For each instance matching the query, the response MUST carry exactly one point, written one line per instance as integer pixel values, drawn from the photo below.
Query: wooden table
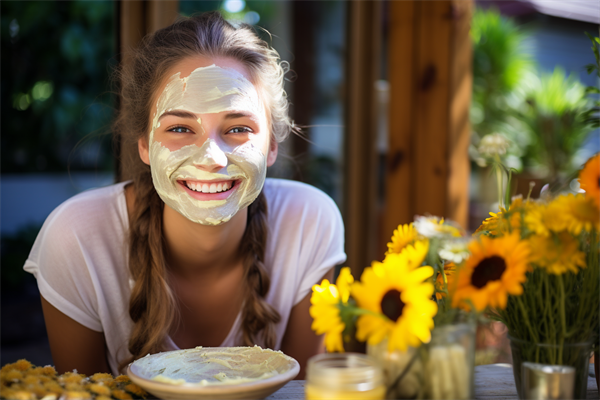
(493, 382)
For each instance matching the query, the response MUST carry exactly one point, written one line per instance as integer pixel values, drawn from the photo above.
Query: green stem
(526, 319)
(563, 318)
(499, 184)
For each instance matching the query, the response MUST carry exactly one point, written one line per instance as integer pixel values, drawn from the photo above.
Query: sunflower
(589, 179)
(490, 224)
(543, 219)
(506, 220)
(495, 269)
(325, 310)
(557, 254)
(397, 300)
(578, 212)
(403, 236)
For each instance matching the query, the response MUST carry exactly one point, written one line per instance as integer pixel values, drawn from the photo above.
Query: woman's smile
(209, 190)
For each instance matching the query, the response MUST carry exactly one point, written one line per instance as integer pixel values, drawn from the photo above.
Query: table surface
(493, 381)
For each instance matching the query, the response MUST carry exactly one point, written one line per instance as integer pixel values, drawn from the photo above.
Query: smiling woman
(199, 248)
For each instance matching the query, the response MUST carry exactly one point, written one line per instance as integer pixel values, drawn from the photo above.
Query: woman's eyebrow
(179, 113)
(238, 114)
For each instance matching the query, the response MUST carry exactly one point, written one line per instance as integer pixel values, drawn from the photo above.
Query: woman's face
(210, 142)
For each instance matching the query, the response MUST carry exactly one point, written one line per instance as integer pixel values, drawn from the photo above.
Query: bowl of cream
(214, 372)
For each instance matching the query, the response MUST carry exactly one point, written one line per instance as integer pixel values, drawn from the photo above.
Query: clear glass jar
(576, 355)
(440, 369)
(343, 376)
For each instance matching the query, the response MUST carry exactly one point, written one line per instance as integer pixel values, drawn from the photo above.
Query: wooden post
(430, 92)
(360, 213)
(136, 19)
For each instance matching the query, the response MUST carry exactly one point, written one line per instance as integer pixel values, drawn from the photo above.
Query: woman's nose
(210, 157)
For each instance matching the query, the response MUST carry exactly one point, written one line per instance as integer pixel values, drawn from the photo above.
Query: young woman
(199, 249)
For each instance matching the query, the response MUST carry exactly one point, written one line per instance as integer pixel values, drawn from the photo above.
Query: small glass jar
(343, 376)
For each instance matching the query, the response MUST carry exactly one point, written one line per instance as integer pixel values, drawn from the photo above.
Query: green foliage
(553, 113)
(592, 115)
(55, 68)
(546, 119)
(500, 65)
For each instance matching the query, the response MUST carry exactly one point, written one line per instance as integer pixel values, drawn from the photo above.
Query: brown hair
(152, 303)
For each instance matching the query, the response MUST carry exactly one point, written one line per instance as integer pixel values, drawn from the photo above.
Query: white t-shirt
(80, 258)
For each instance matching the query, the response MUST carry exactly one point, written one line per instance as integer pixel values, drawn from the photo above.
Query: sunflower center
(599, 181)
(391, 305)
(489, 269)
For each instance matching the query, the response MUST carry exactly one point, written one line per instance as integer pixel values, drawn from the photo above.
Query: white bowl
(214, 373)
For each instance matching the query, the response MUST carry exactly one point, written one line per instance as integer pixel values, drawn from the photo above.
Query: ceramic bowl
(214, 373)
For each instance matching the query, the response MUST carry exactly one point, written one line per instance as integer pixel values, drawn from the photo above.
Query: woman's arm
(74, 346)
(300, 341)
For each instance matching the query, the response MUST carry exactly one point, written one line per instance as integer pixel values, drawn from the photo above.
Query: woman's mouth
(207, 190)
(206, 187)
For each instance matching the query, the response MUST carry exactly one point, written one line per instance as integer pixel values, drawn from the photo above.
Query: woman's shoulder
(287, 193)
(299, 204)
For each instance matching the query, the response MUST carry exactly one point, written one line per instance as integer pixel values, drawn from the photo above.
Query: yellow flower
(403, 236)
(76, 394)
(490, 224)
(495, 269)
(544, 219)
(578, 212)
(506, 221)
(589, 179)
(99, 389)
(398, 299)
(558, 253)
(22, 365)
(101, 377)
(121, 394)
(344, 283)
(135, 389)
(440, 287)
(325, 309)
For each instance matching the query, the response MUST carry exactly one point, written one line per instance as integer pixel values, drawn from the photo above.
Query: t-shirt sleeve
(323, 240)
(59, 263)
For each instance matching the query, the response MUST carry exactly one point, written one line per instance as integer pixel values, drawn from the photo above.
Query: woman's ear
(272, 155)
(143, 150)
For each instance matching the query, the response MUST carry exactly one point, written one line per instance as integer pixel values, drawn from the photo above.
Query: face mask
(208, 90)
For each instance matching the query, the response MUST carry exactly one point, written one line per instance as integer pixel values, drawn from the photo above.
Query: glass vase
(576, 355)
(441, 369)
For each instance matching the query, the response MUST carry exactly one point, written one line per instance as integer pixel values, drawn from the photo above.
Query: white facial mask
(208, 90)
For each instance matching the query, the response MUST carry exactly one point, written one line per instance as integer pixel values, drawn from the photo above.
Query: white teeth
(209, 188)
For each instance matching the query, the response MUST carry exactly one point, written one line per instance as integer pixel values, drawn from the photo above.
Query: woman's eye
(240, 129)
(179, 129)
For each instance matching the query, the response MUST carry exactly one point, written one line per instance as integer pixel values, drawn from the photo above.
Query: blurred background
(398, 101)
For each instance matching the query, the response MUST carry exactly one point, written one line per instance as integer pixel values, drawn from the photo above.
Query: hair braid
(258, 315)
(151, 305)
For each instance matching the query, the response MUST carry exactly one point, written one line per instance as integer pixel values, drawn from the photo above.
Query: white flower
(454, 250)
(494, 144)
(435, 227)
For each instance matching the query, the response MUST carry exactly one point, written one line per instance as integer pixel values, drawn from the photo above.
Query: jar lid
(344, 371)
